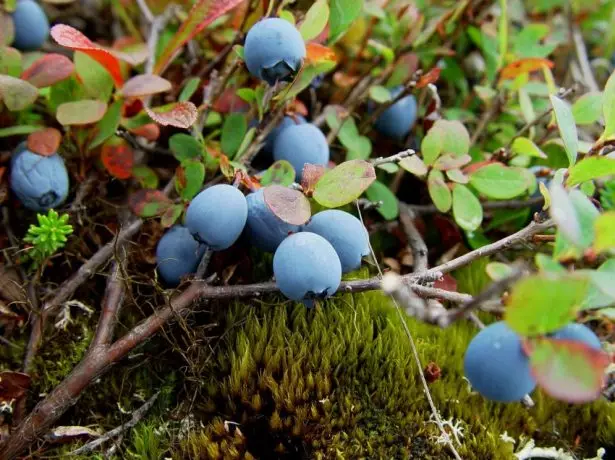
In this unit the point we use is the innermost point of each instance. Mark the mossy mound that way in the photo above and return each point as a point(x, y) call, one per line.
point(339, 381)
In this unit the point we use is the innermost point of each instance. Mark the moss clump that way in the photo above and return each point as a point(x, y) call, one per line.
point(339, 381)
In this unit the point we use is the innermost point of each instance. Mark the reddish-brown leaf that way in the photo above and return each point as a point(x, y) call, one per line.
point(203, 13)
point(48, 70)
point(145, 85)
point(229, 102)
point(13, 385)
point(288, 204)
point(318, 53)
point(516, 68)
point(149, 203)
point(297, 107)
point(430, 77)
point(226, 168)
point(118, 158)
point(343, 80)
point(2, 171)
point(310, 176)
point(179, 114)
point(150, 131)
point(63, 434)
point(447, 282)
point(45, 142)
point(73, 39)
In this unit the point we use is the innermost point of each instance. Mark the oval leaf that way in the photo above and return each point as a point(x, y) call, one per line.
point(291, 206)
point(541, 304)
point(344, 183)
point(179, 114)
point(389, 207)
point(81, 112)
point(525, 146)
point(145, 85)
point(281, 173)
point(118, 158)
point(467, 210)
point(567, 128)
point(498, 181)
point(170, 216)
point(185, 147)
point(590, 168)
point(45, 142)
point(568, 370)
point(149, 203)
point(49, 70)
point(315, 20)
point(438, 191)
point(588, 108)
point(17, 94)
point(189, 179)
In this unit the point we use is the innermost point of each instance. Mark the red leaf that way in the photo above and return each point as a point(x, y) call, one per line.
point(203, 13)
point(229, 102)
point(150, 131)
point(71, 38)
point(118, 158)
point(145, 85)
point(430, 77)
point(149, 203)
point(310, 175)
point(289, 205)
point(447, 282)
point(13, 385)
point(179, 114)
point(319, 53)
point(522, 66)
point(45, 142)
point(48, 70)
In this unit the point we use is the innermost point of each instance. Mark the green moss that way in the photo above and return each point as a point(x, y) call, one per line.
point(339, 381)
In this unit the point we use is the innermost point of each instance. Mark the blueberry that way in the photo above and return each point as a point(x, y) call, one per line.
point(31, 25)
point(265, 230)
point(346, 234)
point(301, 144)
point(39, 182)
point(274, 50)
point(496, 366)
point(177, 254)
point(217, 216)
point(397, 120)
point(579, 333)
point(306, 267)
point(275, 132)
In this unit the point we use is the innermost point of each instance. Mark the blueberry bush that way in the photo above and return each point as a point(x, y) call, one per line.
point(307, 229)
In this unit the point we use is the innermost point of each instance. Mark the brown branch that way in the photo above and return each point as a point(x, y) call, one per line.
point(415, 240)
point(393, 158)
point(112, 302)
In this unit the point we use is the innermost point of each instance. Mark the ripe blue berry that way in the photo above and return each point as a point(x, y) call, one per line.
point(265, 230)
point(579, 333)
point(31, 25)
point(274, 50)
point(275, 132)
point(306, 267)
point(39, 182)
point(346, 234)
point(301, 144)
point(496, 366)
point(178, 254)
point(397, 120)
point(216, 216)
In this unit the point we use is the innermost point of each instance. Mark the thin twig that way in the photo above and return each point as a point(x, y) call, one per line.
point(581, 52)
point(487, 205)
point(157, 26)
point(112, 302)
point(393, 158)
point(137, 416)
point(145, 11)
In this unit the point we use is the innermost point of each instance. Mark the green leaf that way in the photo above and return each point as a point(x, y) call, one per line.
point(586, 214)
point(438, 191)
point(170, 216)
point(343, 14)
point(315, 20)
point(247, 94)
point(10, 61)
point(389, 209)
point(499, 182)
point(567, 370)
point(548, 265)
point(203, 13)
point(525, 146)
point(600, 293)
point(81, 112)
point(498, 270)
point(567, 128)
point(189, 179)
point(344, 183)
point(588, 108)
point(96, 79)
point(414, 165)
point(281, 172)
point(19, 130)
point(445, 136)
point(247, 140)
point(185, 147)
point(146, 176)
point(590, 168)
point(379, 94)
point(541, 304)
point(107, 126)
point(472, 278)
point(189, 89)
point(431, 146)
point(467, 210)
point(233, 131)
point(608, 108)
point(604, 227)
point(359, 147)
point(16, 94)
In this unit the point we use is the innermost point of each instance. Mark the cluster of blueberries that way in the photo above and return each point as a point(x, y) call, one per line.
point(31, 25)
point(308, 262)
point(498, 368)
